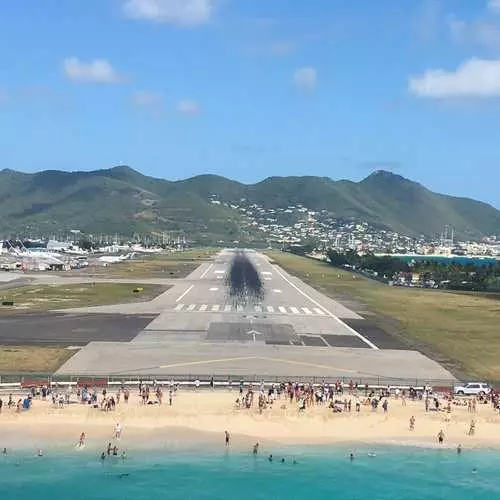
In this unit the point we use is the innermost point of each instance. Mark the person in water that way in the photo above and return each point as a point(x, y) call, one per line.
point(270, 458)
point(351, 456)
point(227, 437)
point(256, 448)
point(103, 456)
point(459, 449)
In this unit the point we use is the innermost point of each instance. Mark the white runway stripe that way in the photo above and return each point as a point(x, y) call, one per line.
point(228, 308)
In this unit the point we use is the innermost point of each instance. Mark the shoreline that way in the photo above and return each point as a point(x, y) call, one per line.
point(197, 421)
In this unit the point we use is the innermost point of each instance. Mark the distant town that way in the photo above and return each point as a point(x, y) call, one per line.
point(293, 228)
point(297, 225)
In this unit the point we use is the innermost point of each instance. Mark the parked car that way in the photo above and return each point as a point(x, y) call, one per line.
point(473, 389)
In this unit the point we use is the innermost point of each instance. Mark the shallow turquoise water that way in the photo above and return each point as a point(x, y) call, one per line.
point(395, 473)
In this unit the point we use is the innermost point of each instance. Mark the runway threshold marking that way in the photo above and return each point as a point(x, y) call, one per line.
point(203, 307)
point(190, 307)
point(182, 295)
point(282, 309)
point(178, 307)
point(329, 313)
point(206, 271)
point(306, 310)
point(294, 310)
point(270, 309)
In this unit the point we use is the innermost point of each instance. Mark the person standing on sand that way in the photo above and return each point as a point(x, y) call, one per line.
point(440, 436)
point(412, 423)
point(227, 437)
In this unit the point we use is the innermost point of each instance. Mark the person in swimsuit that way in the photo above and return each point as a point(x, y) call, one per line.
point(256, 448)
point(440, 436)
point(459, 449)
point(227, 437)
point(82, 439)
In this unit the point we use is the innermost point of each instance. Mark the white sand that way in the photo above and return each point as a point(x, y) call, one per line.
point(202, 418)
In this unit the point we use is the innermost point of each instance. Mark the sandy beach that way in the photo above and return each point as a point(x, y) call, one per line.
point(200, 419)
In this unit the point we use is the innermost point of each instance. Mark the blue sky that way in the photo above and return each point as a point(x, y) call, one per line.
point(252, 88)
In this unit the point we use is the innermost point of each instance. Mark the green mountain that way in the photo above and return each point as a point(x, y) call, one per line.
point(121, 200)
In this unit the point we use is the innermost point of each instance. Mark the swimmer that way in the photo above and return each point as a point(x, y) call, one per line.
point(227, 437)
point(351, 456)
point(123, 455)
point(82, 439)
point(294, 462)
point(282, 460)
point(474, 471)
point(372, 455)
point(255, 448)
point(270, 458)
point(459, 449)
point(4, 451)
point(103, 456)
point(40, 453)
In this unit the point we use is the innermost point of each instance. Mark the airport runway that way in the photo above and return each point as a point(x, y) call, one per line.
point(198, 327)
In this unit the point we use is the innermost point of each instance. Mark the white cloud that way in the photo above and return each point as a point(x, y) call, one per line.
point(494, 5)
point(188, 107)
point(473, 78)
point(152, 102)
point(180, 12)
point(305, 78)
point(96, 71)
point(482, 32)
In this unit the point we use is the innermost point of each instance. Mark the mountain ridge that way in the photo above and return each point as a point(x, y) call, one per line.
point(121, 199)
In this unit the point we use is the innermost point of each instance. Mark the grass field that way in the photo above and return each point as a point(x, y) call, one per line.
point(461, 329)
point(34, 359)
point(169, 265)
point(48, 297)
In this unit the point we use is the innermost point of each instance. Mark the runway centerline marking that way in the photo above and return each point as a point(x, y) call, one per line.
point(213, 289)
point(178, 299)
point(276, 290)
point(206, 271)
point(267, 278)
point(266, 272)
point(323, 308)
point(219, 271)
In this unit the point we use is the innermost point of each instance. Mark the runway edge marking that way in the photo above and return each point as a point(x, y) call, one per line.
point(206, 271)
point(178, 299)
point(336, 318)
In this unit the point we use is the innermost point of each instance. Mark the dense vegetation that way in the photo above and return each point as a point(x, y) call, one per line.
point(427, 274)
point(124, 201)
